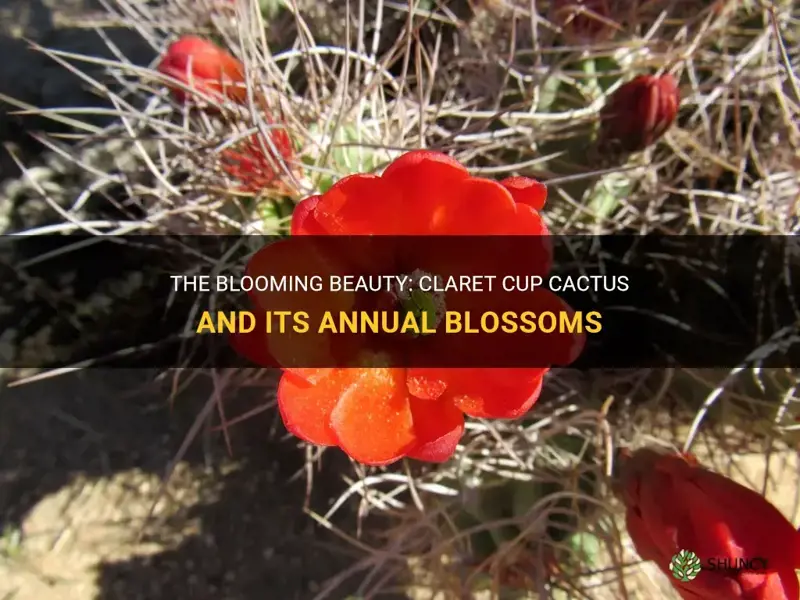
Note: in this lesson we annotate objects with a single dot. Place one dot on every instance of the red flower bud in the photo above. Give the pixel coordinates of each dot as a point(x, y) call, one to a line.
point(640, 112)
point(583, 21)
point(256, 164)
point(747, 549)
point(201, 65)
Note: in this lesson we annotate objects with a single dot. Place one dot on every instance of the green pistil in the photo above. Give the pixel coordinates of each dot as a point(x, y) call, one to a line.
point(423, 306)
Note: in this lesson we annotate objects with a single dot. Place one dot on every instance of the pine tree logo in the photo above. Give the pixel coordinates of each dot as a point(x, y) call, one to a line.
point(685, 566)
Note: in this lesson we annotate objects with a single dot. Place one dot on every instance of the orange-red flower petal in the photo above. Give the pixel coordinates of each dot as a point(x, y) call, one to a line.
point(253, 345)
point(479, 394)
point(424, 193)
point(438, 427)
point(476, 207)
point(358, 205)
point(424, 180)
point(306, 407)
point(426, 383)
point(372, 418)
point(303, 220)
point(526, 191)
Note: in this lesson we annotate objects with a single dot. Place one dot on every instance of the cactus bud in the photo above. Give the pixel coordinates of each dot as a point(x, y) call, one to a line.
point(255, 163)
point(639, 112)
point(201, 65)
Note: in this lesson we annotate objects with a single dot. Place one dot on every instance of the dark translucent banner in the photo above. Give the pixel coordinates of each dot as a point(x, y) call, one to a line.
point(583, 302)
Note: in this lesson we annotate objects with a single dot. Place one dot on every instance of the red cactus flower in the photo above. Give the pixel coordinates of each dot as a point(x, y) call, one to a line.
point(640, 112)
point(675, 504)
point(378, 415)
point(203, 66)
point(256, 163)
point(424, 193)
point(583, 21)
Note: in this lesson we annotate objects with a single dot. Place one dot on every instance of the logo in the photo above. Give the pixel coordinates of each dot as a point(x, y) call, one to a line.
point(685, 566)
point(737, 565)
